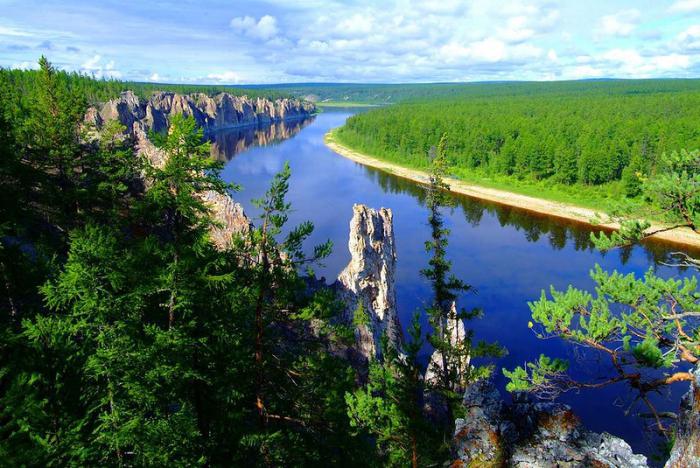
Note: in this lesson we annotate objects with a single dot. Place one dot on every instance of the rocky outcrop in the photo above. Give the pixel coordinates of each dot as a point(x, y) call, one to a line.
point(366, 285)
point(686, 449)
point(140, 116)
point(456, 334)
point(211, 113)
point(230, 218)
point(527, 434)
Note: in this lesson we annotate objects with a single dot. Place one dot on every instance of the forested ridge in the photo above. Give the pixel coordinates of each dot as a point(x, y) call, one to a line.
point(384, 93)
point(587, 133)
point(98, 91)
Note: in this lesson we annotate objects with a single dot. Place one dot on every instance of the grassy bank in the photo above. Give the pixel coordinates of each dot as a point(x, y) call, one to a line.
point(562, 202)
point(604, 198)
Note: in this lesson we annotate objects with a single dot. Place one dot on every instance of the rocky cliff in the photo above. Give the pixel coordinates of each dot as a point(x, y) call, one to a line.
point(366, 285)
point(527, 434)
point(230, 217)
point(211, 113)
point(686, 449)
point(456, 334)
point(140, 116)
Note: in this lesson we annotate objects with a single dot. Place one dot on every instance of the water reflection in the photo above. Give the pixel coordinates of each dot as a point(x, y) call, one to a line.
point(508, 255)
point(229, 142)
point(558, 232)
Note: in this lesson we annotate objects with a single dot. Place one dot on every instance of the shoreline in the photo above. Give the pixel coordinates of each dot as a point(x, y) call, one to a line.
point(684, 237)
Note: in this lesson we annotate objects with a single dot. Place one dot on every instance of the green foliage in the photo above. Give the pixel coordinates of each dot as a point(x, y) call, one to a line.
point(675, 187)
point(360, 317)
point(125, 335)
point(378, 94)
point(390, 406)
point(454, 371)
point(645, 326)
point(535, 376)
point(565, 133)
point(674, 194)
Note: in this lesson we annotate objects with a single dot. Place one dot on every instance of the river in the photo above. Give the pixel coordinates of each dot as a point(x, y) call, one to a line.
point(507, 255)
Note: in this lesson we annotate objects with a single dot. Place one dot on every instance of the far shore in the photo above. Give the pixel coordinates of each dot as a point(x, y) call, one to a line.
point(684, 237)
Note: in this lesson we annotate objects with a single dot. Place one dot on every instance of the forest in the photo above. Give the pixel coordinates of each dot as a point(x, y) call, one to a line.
point(594, 136)
point(97, 91)
point(127, 338)
point(383, 94)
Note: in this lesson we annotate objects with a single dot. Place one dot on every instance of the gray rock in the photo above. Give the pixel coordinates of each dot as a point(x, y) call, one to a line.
point(367, 282)
point(686, 450)
point(527, 434)
point(211, 113)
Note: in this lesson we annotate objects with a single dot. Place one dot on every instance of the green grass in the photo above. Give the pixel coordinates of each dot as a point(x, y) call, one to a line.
point(604, 198)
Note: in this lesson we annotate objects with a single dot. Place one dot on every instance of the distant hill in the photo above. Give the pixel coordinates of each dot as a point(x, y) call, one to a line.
point(391, 93)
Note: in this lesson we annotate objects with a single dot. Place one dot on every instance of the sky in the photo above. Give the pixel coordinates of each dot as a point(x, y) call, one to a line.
point(276, 41)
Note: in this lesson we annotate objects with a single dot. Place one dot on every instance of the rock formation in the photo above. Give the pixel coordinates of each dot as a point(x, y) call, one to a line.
point(211, 113)
point(686, 449)
point(527, 434)
point(456, 333)
point(366, 285)
point(139, 118)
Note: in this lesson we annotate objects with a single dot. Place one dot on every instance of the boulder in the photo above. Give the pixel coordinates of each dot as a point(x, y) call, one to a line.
point(530, 434)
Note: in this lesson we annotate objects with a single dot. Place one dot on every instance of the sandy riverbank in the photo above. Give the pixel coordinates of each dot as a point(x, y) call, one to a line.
point(682, 236)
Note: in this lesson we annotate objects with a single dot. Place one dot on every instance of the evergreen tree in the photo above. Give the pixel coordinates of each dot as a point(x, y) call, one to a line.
point(645, 326)
point(453, 372)
point(390, 405)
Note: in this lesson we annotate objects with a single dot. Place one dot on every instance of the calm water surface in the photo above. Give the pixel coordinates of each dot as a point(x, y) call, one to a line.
point(508, 255)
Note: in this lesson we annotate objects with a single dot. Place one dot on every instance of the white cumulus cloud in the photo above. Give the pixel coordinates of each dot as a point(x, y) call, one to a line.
point(685, 6)
point(264, 28)
point(225, 77)
point(620, 24)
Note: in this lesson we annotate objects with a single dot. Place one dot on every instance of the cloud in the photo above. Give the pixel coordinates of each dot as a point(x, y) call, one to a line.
point(583, 71)
point(619, 24)
point(630, 63)
point(265, 28)
point(94, 66)
point(225, 77)
point(154, 77)
point(685, 6)
point(689, 39)
point(362, 40)
point(25, 66)
point(10, 31)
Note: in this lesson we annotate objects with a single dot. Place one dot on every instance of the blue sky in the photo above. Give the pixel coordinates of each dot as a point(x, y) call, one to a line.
point(273, 41)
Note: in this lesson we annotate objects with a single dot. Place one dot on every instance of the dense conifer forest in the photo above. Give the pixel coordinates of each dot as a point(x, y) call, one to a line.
point(584, 133)
point(96, 91)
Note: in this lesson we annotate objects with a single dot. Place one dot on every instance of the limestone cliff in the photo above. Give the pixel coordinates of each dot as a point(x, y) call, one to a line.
point(211, 113)
point(686, 449)
point(456, 334)
point(366, 285)
point(527, 434)
point(229, 215)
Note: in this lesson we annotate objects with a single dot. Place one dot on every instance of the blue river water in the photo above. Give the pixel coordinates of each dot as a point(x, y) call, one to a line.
point(507, 255)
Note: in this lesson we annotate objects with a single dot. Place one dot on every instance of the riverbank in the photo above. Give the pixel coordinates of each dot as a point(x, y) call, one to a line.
point(684, 237)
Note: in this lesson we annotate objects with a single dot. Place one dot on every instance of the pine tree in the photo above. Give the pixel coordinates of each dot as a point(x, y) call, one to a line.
point(390, 406)
point(453, 371)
